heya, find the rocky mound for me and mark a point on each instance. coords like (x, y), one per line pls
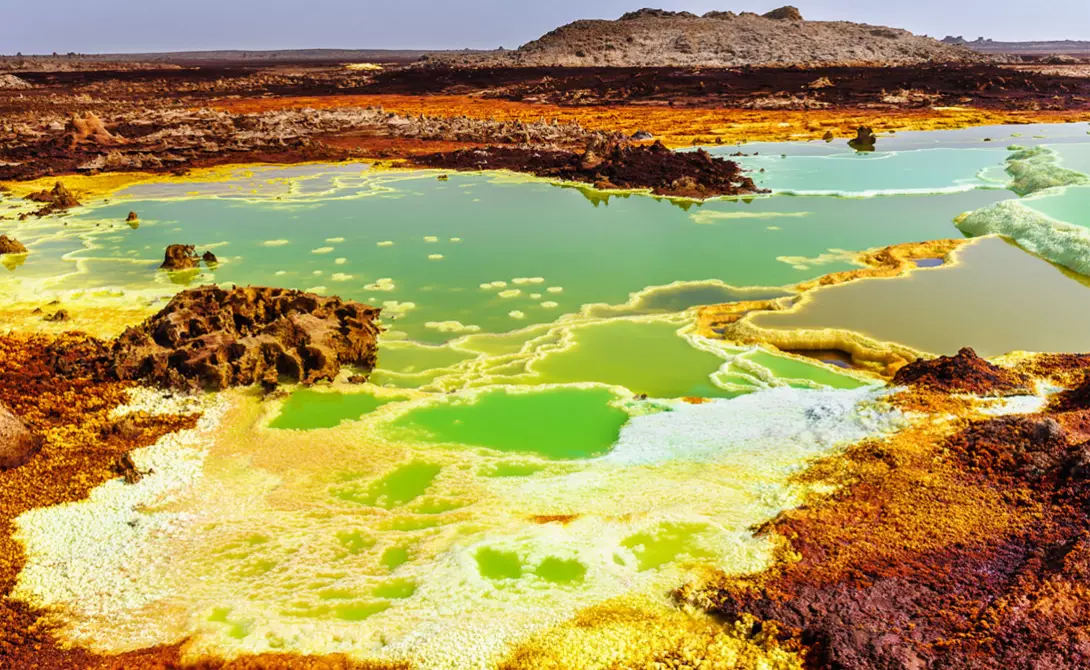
(217, 338)
(610, 165)
(652, 37)
(964, 373)
(183, 256)
(10, 245)
(56, 200)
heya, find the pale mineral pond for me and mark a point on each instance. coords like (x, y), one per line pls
(546, 430)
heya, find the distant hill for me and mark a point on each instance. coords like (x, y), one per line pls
(74, 61)
(1069, 48)
(654, 37)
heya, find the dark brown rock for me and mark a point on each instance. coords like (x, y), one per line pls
(17, 442)
(217, 338)
(132, 217)
(864, 139)
(964, 373)
(210, 259)
(10, 245)
(690, 174)
(58, 316)
(180, 257)
(125, 468)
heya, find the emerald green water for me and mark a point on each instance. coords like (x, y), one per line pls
(561, 423)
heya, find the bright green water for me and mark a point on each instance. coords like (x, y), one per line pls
(645, 358)
(560, 423)
(306, 409)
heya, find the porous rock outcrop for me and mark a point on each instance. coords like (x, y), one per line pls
(218, 338)
(17, 442)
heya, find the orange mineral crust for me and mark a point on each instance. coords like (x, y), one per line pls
(958, 543)
(674, 126)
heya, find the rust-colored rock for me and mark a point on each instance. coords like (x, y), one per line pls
(180, 257)
(132, 217)
(219, 338)
(58, 317)
(17, 442)
(10, 245)
(963, 373)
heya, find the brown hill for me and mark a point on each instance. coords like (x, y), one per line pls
(654, 37)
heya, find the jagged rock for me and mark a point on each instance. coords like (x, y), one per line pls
(217, 338)
(642, 135)
(209, 259)
(785, 13)
(59, 316)
(58, 199)
(10, 245)
(820, 83)
(180, 257)
(131, 217)
(17, 442)
(90, 130)
(864, 139)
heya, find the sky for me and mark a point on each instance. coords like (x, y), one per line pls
(108, 26)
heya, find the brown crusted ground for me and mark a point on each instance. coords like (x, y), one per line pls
(979, 86)
(82, 447)
(960, 545)
(963, 373)
(173, 119)
(80, 444)
(694, 174)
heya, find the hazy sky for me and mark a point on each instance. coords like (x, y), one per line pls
(97, 26)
